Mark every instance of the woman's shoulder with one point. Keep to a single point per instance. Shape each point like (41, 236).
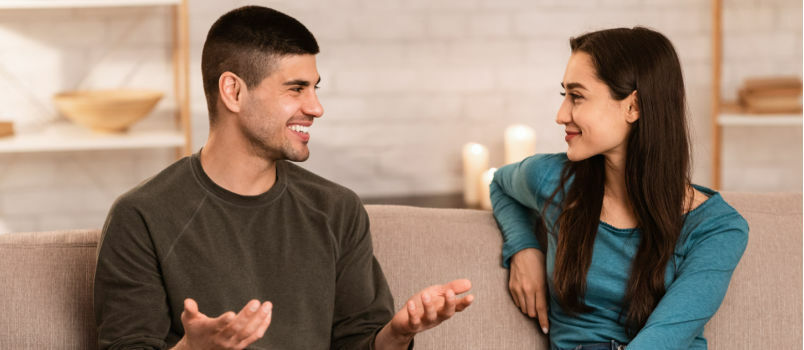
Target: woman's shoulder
(546, 164)
(714, 217)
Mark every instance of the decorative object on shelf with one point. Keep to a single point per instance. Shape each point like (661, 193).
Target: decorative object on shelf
(6, 128)
(771, 95)
(520, 143)
(475, 161)
(107, 111)
(485, 182)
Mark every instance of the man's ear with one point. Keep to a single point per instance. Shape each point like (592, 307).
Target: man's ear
(230, 89)
(632, 105)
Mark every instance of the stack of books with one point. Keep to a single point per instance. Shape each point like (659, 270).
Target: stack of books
(771, 95)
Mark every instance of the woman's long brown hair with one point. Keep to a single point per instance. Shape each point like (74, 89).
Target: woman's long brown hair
(656, 172)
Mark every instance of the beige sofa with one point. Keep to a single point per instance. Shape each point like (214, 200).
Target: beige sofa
(46, 280)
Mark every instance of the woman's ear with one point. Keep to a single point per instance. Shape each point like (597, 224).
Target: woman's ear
(632, 114)
(230, 88)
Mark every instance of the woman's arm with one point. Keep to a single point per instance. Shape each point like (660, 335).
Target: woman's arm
(698, 290)
(513, 198)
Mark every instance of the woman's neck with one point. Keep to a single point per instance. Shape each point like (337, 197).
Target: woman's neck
(617, 208)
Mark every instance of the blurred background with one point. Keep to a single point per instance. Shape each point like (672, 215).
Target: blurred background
(405, 85)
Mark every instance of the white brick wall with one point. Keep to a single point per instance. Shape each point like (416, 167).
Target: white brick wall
(405, 84)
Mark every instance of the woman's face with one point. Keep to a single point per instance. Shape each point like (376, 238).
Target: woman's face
(594, 122)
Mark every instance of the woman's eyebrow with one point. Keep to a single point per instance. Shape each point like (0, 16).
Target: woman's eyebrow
(574, 86)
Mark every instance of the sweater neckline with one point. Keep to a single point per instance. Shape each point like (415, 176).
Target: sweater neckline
(217, 191)
(713, 196)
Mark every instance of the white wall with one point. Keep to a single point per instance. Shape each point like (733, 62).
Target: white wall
(405, 84)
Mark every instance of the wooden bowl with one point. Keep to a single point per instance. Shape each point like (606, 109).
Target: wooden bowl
(107, 110)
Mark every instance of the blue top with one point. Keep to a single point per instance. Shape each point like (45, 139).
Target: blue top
(713, 239)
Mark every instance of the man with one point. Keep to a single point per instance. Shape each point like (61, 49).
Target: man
(278, 257)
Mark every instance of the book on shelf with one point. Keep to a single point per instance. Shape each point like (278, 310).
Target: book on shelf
(767, 95)
(6, 128)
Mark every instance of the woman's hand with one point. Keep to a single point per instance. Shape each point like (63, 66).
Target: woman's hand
(528, 284)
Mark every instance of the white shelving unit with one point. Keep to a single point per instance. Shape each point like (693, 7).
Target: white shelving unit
(738, 119)
(64, 136)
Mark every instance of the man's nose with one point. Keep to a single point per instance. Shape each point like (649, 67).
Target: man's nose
(312, 106)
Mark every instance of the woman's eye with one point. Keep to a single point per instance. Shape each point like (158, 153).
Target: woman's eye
(573, 96)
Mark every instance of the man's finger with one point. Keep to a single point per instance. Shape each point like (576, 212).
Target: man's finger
(459, 286)
(255, 320)
(464, 302)
(235, 329)
(414, 316)
(190, 309)
(258, 330)
(267, 321)
(449, 305)
(430, 312)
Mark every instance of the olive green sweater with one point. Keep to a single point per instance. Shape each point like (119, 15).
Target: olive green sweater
(304, 245)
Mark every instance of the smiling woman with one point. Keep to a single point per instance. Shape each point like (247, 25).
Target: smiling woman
(634, 253)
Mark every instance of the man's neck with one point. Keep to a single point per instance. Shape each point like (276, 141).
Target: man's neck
(233, 165)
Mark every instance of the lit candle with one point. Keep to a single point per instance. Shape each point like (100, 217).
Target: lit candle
(485, 181)
(475, 161)
(520, 142)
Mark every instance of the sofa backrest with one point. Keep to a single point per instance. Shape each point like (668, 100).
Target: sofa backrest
(46, 280)
(46, 283)
(763, 307)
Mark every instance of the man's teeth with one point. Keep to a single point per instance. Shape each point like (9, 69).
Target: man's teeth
(299, 128)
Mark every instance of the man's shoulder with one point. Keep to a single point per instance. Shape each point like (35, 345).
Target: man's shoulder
(166, 184)
(317, 189)
(309, 183)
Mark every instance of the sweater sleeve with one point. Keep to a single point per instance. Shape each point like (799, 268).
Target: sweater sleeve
(363, 301)
(131, 310)
(513, 198)
(698, 290)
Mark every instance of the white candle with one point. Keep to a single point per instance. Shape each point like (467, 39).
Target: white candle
(520, 143)
(475, 161)
(485, 181)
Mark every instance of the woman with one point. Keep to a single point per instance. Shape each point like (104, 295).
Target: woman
(634, 253)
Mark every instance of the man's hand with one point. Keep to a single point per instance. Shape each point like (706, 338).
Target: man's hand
(424, 310)
(227, 331)
(528, 284)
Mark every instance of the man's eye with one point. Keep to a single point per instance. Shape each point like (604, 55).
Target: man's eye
(317, 87)
(298, 89)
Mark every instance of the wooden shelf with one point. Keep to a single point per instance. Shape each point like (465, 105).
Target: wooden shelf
(68, 137)
(736, 119)
(38, 4)
(64, 136)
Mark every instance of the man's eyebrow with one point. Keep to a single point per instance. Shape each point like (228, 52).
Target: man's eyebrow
(300, 82)
(574, 86)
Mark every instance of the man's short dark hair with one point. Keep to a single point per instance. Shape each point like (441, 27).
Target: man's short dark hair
(247, 41)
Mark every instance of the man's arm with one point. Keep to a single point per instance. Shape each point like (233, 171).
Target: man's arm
(130, 302)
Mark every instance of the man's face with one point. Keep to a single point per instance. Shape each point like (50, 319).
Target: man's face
(277, 114)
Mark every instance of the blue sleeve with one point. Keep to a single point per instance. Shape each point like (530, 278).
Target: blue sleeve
(698, 290)
(513, 198)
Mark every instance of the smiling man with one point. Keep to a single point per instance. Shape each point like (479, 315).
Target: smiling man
(235, 247)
